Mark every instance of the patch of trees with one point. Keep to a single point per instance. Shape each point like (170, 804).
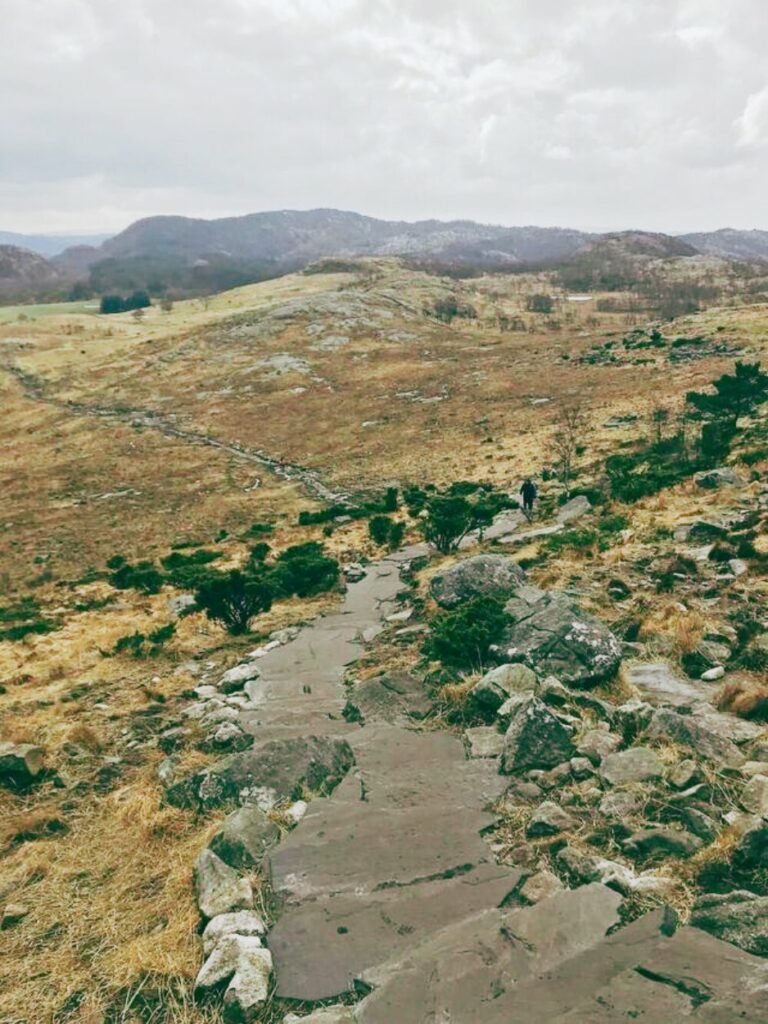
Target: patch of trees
(447, 517)
(672, 454)
(450, 308)
(124, 304)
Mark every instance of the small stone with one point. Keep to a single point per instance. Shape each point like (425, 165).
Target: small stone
(220, 889)
(581, 768)
(245, 837)
(549, 819)
(699, 823)
(236, 678)
(752, 768)
(541, 886)
(229, 736)
(296, 811)
(580, 867)
(484, 741)
(247, 965)
(713, 674)
(638, 764)
(684, 775)
(166, 771)
(534, 739)
(520, 791)
(501, 683)
(556, 777)
(597, 744)
(242, 922)
(754, 796)
(738, 566)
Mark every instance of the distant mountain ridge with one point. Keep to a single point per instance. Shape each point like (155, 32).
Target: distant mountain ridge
(49, 245)
(184, 255)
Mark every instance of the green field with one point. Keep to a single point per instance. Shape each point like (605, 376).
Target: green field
(11, 314)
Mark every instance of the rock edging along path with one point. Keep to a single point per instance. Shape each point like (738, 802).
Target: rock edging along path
(387, 889)
(35, 391)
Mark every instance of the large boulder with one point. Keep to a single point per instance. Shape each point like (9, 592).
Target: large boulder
(535, 739)
(20, 764)
(548, 633)
(494, 576)
(267, 773)
(501, 683)
(739, 917)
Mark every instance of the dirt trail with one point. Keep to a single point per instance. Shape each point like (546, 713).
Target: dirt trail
(36, 391)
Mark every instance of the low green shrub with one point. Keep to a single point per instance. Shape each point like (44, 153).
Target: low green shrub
(234, 599)
(463, 638)
(143, 576)
(303, 570)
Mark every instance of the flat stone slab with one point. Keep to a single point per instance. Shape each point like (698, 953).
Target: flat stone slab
(392, 697)
(322, 946)
(659, 683)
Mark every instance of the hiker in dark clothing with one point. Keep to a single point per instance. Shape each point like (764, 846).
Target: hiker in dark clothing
(530, 494)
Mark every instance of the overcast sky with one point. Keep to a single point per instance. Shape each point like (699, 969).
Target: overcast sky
(597, 114)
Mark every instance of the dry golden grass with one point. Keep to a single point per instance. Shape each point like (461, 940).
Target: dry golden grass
(746, 698)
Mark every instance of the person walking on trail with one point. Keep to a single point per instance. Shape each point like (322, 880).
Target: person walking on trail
(529, 494)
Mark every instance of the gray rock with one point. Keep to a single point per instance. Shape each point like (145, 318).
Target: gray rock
(713, 674)
(580, 867)
(327, 1015)
(655, 844)
(244, 962)
(632, 718)
(180, 604)
(236, 678)
(241, 922)
(166, 771)
(267, 773)
(713, 479)
(541, 886)
(484, 741)
(699, 823)
(690, 732)
(535, 739)
(220, 889)
(660, 683)
(482, 576)
(501, 683)
(598, 744)
(548, 633)
(738, 917)
(573, 509)
(520, 791)
(622, 804)
(549, 819)
(700, 530)
(20, 764)
(684, 774)
(638, 764)
(738, 566)
(392, 697)
(754, 796)
(245, 837)
(751, 851)
(556, 777)
(581, 768)
(229, 736)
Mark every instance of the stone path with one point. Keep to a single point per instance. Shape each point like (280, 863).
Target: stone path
(389, 890)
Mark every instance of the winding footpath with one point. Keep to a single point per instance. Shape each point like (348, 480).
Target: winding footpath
(390, 895)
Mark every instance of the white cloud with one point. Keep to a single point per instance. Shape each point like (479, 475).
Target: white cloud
(597, 114)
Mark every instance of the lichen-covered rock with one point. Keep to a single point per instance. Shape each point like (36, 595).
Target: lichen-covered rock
(597, 744)
(20, 764)
(738, 917)
(220, 890)
(549, 819)
(482, 576)
(549, 634)
(245, 836)
(501, 683)
(248, 966)
(693, 731)
(241, 922)
(638, 764)
(535, 739)
(751, 851)
(267, 773)
(541, 886)
(754, 796)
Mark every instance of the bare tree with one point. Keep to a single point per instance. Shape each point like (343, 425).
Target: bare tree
(571, 427)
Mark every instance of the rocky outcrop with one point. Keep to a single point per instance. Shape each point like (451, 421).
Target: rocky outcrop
(498, 685)
(494, 576)
(739, 917)
(245, 837)
(536, 738)
(714, 479)
(548, 633)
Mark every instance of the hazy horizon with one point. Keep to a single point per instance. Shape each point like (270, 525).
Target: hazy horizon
(650, 114)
